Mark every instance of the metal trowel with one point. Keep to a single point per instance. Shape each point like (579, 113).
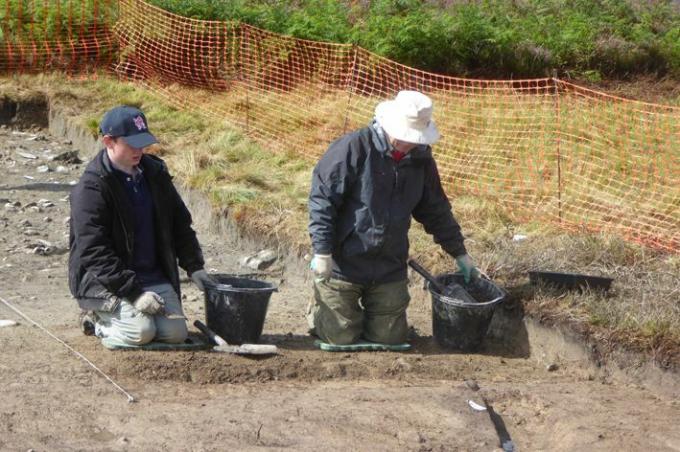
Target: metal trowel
(245, 349)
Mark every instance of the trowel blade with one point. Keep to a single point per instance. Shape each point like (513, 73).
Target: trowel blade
(248, 349)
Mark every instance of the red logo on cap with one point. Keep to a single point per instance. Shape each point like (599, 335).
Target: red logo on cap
(139, 122)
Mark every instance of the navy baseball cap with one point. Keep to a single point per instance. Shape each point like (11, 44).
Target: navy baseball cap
(129, 123)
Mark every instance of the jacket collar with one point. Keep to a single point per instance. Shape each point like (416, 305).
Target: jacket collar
(102, 167)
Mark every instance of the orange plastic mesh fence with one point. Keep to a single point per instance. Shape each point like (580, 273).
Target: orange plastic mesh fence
(620, 166)
(69, 35)
(543, 149)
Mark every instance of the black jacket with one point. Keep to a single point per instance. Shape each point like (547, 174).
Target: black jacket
(362, 201)
(102, 234)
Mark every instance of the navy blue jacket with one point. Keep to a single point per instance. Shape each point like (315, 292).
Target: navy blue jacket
(361, 203)
(102, 234)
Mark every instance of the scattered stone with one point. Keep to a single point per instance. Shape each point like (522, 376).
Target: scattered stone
(12, 206)
(73, 182)
(68, 157)
(45, 203)
(472, 384)
(37, 138)
(61, 169)
(519, 237)
(5, 323)
(45, 248)
(552, 367)
(27, 155)
(66, 220)
(37, 209)
(29, 177)
(402, 365)
(64, 199)
(43, 169)
(25, 223)
(259, 260)
(47, 220)
(31, 232)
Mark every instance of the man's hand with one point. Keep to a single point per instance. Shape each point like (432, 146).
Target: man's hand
(200, 278)
(149, 303)
(467, 267)
(321, 266)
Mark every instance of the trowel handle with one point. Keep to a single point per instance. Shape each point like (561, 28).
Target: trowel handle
(210, 333)
(425, 274)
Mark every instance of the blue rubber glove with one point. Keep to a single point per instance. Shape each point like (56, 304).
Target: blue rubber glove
(467, 268)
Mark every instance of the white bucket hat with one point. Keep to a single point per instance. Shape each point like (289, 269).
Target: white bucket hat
(408, 118)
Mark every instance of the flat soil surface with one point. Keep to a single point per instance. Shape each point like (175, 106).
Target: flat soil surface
(301, 399)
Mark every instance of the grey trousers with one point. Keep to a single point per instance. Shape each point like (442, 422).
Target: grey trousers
(127, 326)
(344, 312)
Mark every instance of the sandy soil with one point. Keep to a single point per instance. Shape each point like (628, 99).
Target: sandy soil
(302, 399)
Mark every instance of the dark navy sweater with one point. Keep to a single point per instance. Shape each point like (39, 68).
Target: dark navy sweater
(145, 262)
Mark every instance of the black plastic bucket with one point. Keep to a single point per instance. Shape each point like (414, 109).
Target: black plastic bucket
(461, 322)
(235, 307)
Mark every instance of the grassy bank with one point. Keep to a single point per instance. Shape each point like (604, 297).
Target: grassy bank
(265, 193)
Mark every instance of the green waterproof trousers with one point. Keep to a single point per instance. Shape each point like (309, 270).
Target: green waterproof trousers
(344, 312)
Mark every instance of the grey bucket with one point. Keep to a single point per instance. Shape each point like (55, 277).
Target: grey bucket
(461, 320)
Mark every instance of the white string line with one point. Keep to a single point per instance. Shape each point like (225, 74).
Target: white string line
(130, 399)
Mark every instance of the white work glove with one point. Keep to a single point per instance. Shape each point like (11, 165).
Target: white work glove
(321, 266)
(149, 303)
(200, 278)
(467, 267)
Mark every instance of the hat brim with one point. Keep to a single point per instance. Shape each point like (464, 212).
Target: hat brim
(140, 140)
(387, 115)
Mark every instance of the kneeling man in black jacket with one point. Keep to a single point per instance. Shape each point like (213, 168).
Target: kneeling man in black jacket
(129, 229)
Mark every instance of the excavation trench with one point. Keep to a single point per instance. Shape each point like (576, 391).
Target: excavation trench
(517, 347)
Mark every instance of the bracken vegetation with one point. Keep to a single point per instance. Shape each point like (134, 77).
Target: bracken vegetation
(589, 39)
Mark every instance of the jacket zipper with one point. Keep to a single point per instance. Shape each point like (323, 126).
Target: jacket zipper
(395, 184)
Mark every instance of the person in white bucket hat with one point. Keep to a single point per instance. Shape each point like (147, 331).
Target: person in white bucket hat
(408, 118)
(365, 190)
